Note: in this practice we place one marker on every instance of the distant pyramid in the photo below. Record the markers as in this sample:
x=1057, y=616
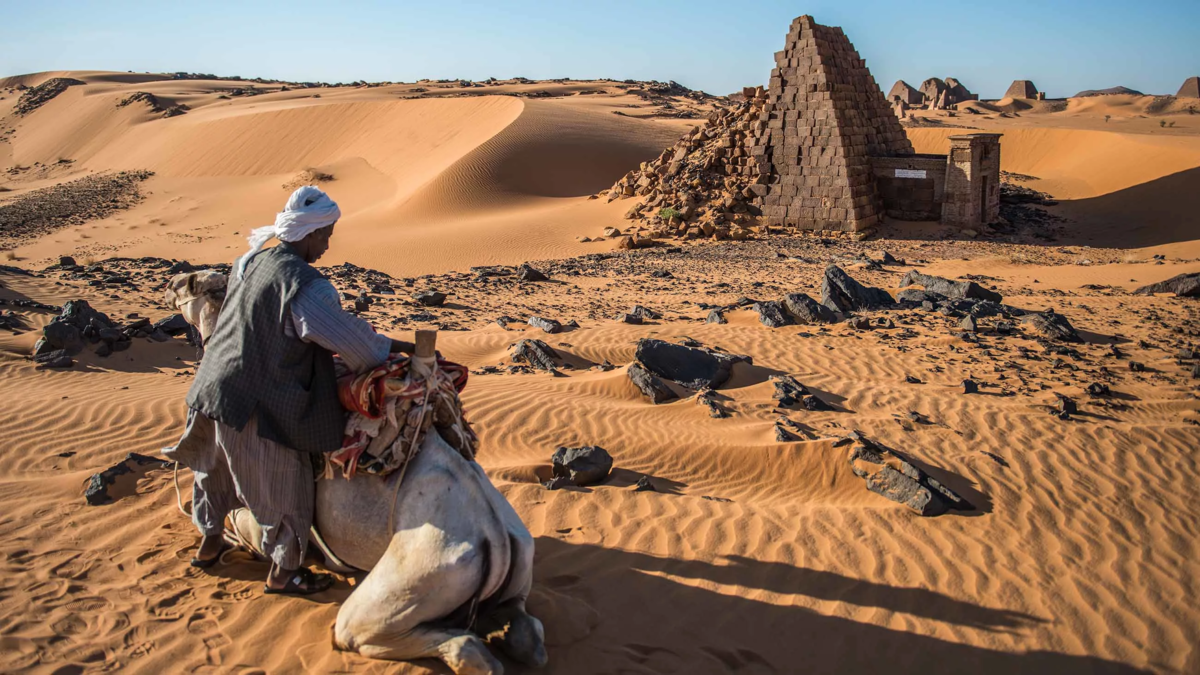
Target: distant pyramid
x=933, y=88
x=1190, y=88
x=959, y=93
x=906, y=92
x=825, y=118
x=1021, y=89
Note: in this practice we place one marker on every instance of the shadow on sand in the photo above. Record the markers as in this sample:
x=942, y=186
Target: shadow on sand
x=656, y=614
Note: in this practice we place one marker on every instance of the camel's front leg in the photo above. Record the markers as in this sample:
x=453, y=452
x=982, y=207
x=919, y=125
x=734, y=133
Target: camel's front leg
x=463, y=652
x=420, y=580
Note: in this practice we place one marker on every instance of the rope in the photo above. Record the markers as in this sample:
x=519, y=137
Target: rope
x=408, y=456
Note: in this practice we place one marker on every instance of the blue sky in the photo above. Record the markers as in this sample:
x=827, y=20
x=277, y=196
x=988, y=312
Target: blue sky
x=1062, y=45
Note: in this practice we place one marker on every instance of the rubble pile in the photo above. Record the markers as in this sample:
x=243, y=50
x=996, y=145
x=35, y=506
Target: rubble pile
x=35, y=97
x=156, y=105
x=38, y=212
x=703, y=186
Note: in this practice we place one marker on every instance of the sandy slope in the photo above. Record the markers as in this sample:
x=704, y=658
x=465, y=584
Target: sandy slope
x=755, y=556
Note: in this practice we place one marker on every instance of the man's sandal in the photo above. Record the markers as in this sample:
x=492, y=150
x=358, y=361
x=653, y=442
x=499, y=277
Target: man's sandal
x=205, y=563
x=302, y=582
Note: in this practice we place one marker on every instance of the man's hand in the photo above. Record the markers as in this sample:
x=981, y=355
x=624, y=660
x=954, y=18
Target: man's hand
x=403, y=347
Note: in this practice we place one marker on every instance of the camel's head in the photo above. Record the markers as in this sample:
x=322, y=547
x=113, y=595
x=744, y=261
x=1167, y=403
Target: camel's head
x=198, y=296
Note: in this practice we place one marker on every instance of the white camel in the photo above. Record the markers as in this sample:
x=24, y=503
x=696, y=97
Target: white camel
x=448, y=559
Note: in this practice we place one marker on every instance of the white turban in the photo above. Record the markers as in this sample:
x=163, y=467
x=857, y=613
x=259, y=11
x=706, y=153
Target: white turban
x=308, y=210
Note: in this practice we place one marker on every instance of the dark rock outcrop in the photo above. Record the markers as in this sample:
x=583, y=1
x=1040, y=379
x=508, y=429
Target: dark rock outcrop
x=549, y=325
x=536, y=354
x=841, y=293
x=1184, y=285
x=788, y=390
x=650, y=384
x=771, y=314
x=1051, y=325
x=583, y=466
x=690, y=367
x=806, y=310
x=430, y=298
x=949, y=288
x=527, y=273
x=99, y=489
x=892, y=475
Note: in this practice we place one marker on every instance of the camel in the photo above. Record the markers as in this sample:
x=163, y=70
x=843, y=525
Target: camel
x=186, y=289
x=448, y=559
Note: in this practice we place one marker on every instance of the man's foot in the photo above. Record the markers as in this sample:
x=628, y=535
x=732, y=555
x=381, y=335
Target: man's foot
x=301, y=581
x=210, y=550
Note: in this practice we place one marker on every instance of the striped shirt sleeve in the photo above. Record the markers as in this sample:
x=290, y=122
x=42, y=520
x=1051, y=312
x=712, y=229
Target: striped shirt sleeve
x=317, y=316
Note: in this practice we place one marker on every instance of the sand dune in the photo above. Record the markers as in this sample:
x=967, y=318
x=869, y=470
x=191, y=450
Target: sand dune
x=754, y=555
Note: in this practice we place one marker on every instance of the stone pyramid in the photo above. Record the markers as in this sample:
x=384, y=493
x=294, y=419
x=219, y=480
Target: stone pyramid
x=1190, y=88
x=906, y=92
x=824, y=119
x=1021, y=89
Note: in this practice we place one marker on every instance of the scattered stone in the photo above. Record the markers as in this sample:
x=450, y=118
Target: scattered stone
x=527, y=273
x=644, y=485
x=771, y=314
x=430, y=298
x=970, y=387
x=788, y=390
x=716, y=316
x=121, y=476
x=968, y=324
x=814, y=403
x=35, y=97
x=951, y=289
x=916, y=296
x=805, y=310
x=536, y=354
x=708, y=398
x=859, y=323
x=892, y=475
x=1098, y=389
x=549, y=325
x=1052, y=325
x=644, y=313
x=1137, y=366
x=588, y=465
x=910, y=379
x=650, y=384
x=843, y=294
x=75, y=202
x=362, y=302
x=1184, y=286
x=1065, y=407
x=688, y=366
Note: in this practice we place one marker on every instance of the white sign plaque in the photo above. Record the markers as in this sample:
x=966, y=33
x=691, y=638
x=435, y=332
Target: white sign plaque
x=910, y=173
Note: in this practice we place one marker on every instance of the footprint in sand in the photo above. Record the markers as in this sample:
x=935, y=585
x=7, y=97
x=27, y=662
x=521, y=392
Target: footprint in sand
x=656, y=659
x=165, y=608
x=740, y=661
x=44, y=591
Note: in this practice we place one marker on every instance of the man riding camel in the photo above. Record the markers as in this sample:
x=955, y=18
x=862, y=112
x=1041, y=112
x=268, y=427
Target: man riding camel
x=267, y=384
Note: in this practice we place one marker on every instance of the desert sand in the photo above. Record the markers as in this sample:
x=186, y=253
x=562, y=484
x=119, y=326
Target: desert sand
x=753, y=555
